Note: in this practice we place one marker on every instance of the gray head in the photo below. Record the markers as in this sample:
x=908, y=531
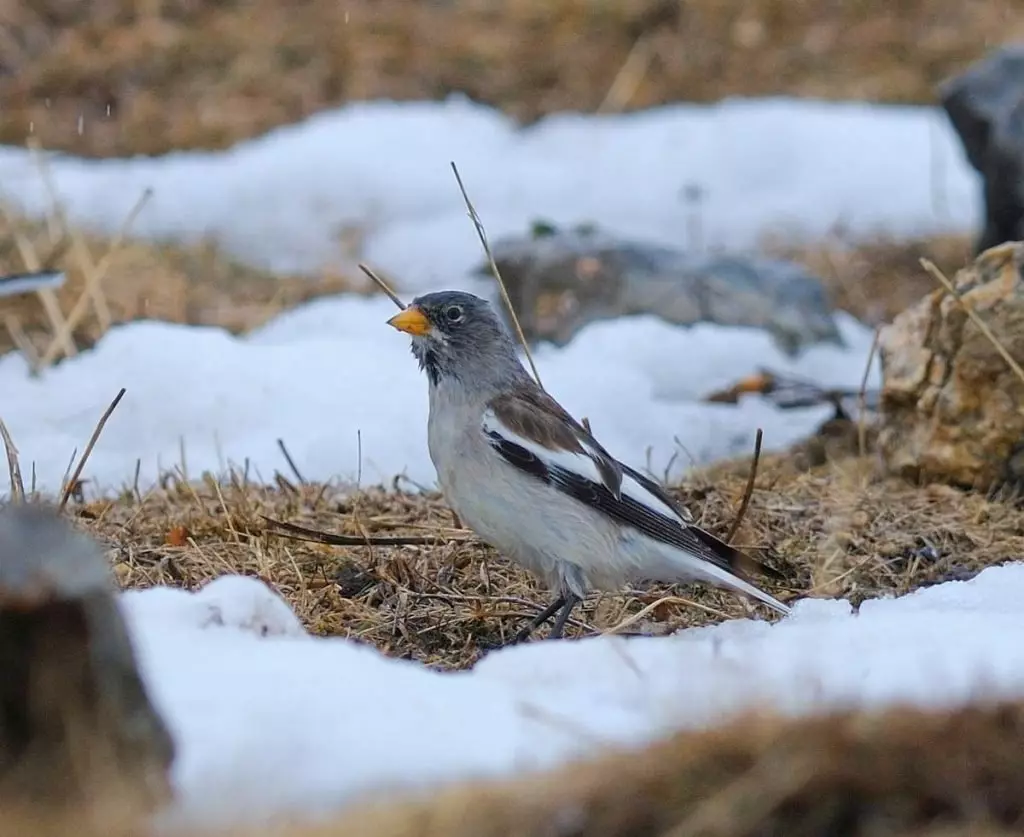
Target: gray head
x=456, y=335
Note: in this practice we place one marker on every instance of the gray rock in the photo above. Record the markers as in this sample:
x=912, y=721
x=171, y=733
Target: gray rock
x=559, y=281
x=76, y=724
x=986, y=107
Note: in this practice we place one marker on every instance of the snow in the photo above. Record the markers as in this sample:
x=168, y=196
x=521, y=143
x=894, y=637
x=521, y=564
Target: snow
x=270, y=721
x=342, y=390
x=795, y=167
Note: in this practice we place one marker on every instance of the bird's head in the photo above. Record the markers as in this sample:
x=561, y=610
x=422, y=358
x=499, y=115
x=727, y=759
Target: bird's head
x=456, y=334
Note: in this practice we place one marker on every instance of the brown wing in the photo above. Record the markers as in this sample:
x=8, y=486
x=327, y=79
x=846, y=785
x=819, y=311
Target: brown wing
x=532, y=414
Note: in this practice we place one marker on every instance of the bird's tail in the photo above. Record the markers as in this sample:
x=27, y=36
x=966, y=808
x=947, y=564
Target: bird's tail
x=731, y=567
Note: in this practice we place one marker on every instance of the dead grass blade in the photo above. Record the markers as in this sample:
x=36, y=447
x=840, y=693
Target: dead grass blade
x=941, y=278
x=862, y=395
x=96, y=272
x=293, y=531
x=630, y=75
x=748, y=490
x=69, y=486
x=482, y=234
x=13, y=466
x=380, y=283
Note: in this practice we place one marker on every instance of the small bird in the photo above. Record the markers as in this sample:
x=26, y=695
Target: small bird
x=533, y=483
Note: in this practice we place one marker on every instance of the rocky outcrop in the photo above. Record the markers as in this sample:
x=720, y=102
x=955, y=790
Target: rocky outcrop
x=560, y=281
x=952, y=408
x=986, y=106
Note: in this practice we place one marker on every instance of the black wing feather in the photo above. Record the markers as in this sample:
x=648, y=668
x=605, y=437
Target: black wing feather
x=623, y=509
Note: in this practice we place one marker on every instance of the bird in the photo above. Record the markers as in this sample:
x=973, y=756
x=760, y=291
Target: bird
x=533, y=482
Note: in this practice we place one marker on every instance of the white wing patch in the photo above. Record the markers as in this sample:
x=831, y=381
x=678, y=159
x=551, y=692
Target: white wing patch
x=636, y=491
x=577, y=463
x=585, y=466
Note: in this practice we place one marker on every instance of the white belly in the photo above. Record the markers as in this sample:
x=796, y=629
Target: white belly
x=564, y=543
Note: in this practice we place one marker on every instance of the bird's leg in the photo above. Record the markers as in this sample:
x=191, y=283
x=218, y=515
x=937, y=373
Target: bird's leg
x=570, y=602
x=539, y=620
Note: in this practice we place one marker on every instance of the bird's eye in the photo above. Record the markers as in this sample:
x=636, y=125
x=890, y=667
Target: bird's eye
x=453, y=313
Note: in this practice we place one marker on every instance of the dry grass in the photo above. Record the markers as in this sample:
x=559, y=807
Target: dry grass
x=896, y=773
x=888, y=773
x=145, y=76
x=819, y=514
x=876, y=279
x=177, y=283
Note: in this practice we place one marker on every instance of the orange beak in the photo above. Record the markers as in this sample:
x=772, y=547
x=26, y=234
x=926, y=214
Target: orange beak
x=412, y=321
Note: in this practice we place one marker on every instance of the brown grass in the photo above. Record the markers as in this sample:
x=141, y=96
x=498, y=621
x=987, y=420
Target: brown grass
x=880, y=774
x=820, y=515
x=177, y=283
x=146, y=76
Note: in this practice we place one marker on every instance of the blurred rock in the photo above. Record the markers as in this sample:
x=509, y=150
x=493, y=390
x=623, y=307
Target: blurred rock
x=76, y=724
x=951, y=405
x=986, y=106
x=559, y=281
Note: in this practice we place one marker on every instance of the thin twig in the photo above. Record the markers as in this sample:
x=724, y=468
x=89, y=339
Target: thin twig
x=293, y=532
x=382, y=285
x=862, y=396
x=482, y=234
x=13, y=468
x=940, y=277
x=73, y=481
x=291, y=462
x=749, y=490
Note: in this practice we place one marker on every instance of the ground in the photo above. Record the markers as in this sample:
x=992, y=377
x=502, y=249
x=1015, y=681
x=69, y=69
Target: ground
x=820, y=514
x=121, y=77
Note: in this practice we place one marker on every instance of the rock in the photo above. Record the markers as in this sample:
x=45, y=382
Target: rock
x=559, y=281
x=76, y=724
x=986, y=106
x=951, y=408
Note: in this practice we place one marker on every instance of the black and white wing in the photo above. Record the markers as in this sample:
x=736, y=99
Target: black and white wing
x=532, y=432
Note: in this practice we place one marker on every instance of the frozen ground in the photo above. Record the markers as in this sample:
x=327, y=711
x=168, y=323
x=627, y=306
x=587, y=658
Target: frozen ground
x=332, y=375
x=271, y=720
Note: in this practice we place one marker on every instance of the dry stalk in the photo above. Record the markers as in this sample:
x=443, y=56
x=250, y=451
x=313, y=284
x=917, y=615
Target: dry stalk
x=94, y=274
x=294, y=532
x=482, y=234
x=291, y=462
x=748, y=490
x=47, y=296
x=380, y=283
x=630, y=75
x=73, y=480
x=940, y=277
x=862, y=397
x=13, y=466
x=22, y=343
x=78, y=244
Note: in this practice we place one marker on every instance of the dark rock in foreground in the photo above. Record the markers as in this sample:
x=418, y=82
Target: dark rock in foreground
x=986, y=106
x=76, y=725
x=560, y=281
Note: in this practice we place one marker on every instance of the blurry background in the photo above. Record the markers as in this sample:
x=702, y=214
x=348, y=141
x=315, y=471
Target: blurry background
x=122, y=77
